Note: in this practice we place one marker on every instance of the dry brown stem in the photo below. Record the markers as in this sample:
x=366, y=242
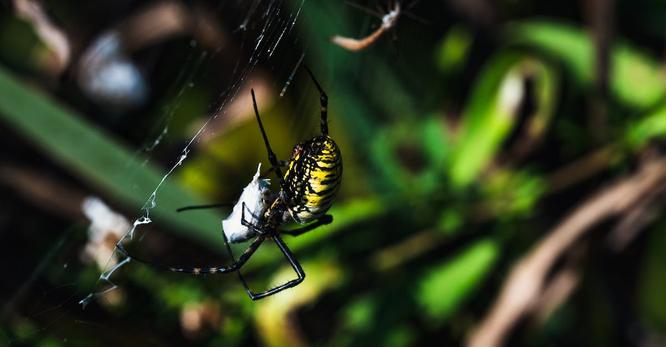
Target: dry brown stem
x=560, y=286
x=43, y=191
x=638, y=217
x=581, y=169
x=479, y=12
x=166, y=19
x=401, y=253
x=600, y=18
x=529, y=278
x=52, y=36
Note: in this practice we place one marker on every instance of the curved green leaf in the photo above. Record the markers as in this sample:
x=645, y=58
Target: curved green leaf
x=492, y=112
x=635, y=78
x=442, y=290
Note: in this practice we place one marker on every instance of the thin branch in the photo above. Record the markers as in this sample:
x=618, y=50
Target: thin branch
x=482, y=13
x=528, y=279
x=389, y=20
x=406, y=250
x=636, y=219
x=52, y=36
x=166, y=19
x=581, y=169
x=560, y=286
x=600, y=17
x=42, y=190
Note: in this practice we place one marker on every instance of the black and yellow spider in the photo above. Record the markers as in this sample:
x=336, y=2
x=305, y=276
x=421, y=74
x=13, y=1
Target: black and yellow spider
x=307, y=189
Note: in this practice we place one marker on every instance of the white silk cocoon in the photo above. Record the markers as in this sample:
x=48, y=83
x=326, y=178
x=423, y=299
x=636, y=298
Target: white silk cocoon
x=254, y=197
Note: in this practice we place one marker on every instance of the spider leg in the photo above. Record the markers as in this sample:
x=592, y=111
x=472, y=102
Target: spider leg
x=254, y=228
x=271, y=155
x=323, y=102
x=234, y=266
x=202, y=207
x=294, y=264
x=247, y=223
x=323, y=220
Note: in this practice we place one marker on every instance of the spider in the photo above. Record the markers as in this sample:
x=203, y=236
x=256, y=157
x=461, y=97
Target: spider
x=307, y=188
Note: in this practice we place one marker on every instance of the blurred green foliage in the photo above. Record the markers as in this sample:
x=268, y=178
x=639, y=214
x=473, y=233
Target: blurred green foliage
x=443, y=290
x=635, y=78
x=493, y=112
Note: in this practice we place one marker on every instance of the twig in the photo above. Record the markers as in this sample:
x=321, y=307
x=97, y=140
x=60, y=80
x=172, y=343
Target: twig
x=166, y=19
x=43, y=191
x=480, y=12
x=561, y=285
x=52, y=36
x=581, y=169
x=154, y=23
x=396, y=255
x=641, y=215
x=526, y=282
x=388, y=21
x=600, y=17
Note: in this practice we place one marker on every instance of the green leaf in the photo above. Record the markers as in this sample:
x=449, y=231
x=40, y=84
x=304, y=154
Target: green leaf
x=444, y=288
x=98, y=159
x=453, y=50
x=359, y=315
x=650, y=126
x=510, y=193
x=635, y=78
x=411, y=155
x=491, y=113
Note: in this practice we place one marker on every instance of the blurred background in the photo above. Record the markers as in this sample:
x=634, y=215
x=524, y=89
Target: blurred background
x=504, y=171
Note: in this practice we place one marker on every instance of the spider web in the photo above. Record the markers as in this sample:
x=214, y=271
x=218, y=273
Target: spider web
x=265, y=27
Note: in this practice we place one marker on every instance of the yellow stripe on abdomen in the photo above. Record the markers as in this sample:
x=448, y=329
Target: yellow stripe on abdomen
x=313, y=177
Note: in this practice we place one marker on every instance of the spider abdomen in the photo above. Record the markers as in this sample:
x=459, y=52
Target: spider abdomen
x=313, y=178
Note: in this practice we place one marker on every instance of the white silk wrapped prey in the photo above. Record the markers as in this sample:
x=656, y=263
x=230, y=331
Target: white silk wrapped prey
x=255, y=198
